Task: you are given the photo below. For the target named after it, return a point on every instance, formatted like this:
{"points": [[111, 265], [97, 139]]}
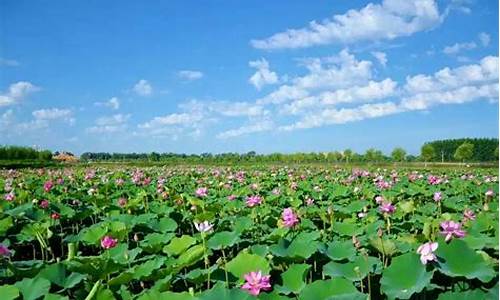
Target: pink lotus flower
{"points": [[201, 192], [437, 196], [256, 282], [253, 200], [119, 181], [489, 194], [387, 207], [204, 227], [4, 251], [426, 252], [469, 215], [451, 229], [55, 216], [231, 197], [47, 186], [309, 201], [122, 202], [44, 204], [379, 199], [289, 218], [9, 197], [433, 180], [108, 242]]}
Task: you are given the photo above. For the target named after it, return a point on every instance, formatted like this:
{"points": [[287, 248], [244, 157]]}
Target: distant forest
{"points": [[452, 150], [483, 150]]}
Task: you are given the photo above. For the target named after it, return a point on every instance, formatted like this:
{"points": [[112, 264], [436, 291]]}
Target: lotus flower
{"points": [[204, 227], [4, 251], [437, 196], [47, 186], [122, 202], [44, 204], [108, 242], [253, 200], [201, 192], [10, 197], [55, 216], [469, 215], [289, 218], [489, 194], [256, 282], [451, 229], [387, 207], [426, 252]]}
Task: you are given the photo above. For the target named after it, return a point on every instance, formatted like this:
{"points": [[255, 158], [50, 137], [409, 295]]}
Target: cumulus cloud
{"points": [[457, 47], [328, 73], [143, 88], [447, 86], [381, 57], [52, 114], [113, 103], [484, 38], [17, 92], [8, 62], [259, 126], [190, 75], [110, 124], [263, 76], [385, 21]]}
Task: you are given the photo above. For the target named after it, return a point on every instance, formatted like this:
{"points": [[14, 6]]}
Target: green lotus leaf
{"points": [[245, 263], [179, 244], [223, 239], [356, 270], [405, 276], [9, 292], [457, 259], [33, 288], [337, 288], [341, 250], [293, 279]]}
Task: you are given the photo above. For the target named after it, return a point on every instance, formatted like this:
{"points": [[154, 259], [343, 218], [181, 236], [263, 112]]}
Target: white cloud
{"points": [[8, 62], [386, 21], [171, 119], [113, 120], [258, 126], [328, 73], [484, 38], [16, 92], [110, 124], [190, 75], [263, 76], [457, 47], [381, 57], [143, 88], [344, 115], [113, 103], [447, 86], [52, 114]]}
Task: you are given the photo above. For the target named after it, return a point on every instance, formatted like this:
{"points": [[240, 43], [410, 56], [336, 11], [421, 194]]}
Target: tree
{"points": [[347, 154], [496, 153], [373, 155], [398, 154], [464, 152], [427, 152]]}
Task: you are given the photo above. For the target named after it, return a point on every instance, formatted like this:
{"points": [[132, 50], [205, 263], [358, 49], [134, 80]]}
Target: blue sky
{"points": [[236, 76]]}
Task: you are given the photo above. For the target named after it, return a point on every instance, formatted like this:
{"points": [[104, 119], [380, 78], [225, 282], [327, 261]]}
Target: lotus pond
{"points": [[248, 233]]}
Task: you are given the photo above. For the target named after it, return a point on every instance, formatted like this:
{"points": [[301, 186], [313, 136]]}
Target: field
{"points": [[302, 232]]}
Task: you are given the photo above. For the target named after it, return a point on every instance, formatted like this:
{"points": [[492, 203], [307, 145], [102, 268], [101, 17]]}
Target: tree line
{"points": [[24, 153], [452, 150], [459, 150]]}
